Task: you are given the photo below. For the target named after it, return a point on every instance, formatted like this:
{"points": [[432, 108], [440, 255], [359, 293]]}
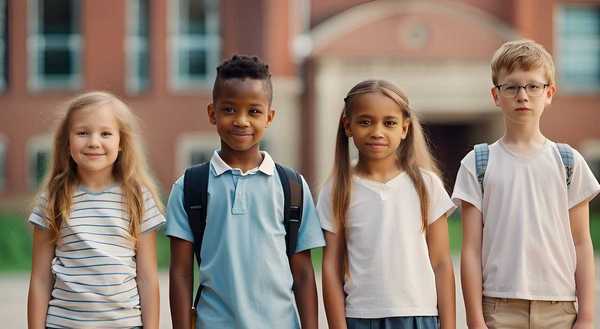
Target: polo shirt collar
{"points": [[267, 166]]}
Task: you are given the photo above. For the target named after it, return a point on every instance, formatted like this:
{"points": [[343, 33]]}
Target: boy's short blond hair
{"points": [[522, 54]]}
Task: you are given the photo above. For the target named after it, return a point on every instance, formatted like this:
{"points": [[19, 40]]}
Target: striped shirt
{"points": [[94, 265]]}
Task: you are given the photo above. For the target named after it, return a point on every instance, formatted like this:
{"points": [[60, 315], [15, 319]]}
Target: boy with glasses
{"points": [[527, 252]]}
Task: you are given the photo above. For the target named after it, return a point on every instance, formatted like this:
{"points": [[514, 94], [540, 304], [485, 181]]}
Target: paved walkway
{"points": [[13, 301]]}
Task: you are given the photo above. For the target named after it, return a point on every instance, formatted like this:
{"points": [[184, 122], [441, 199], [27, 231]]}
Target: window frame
{"points": [[37, 144], [3, 162], [180, 43], [37, 43], [3, 45], [136, 44], [566, 53], [194, 142]]}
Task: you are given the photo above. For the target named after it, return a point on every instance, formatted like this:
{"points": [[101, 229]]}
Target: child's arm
{"points": [[584, 272], [41, 282], [181, 276], [333, 280], [470, 265], [147, 279], [441, 262], [305, 289]]}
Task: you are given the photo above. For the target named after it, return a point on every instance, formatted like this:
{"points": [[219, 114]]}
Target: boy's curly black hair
{"points": [[243, 67]]}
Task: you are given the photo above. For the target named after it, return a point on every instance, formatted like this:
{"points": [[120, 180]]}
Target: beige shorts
{"points": [[502, 313]]}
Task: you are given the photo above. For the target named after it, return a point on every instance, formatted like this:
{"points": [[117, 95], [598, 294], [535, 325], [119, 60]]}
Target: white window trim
{"points": [[3, 162], [569, 86], [134, 44], [3, 47], [36, 43], [39, 143], [188, 143], [209, 42]]}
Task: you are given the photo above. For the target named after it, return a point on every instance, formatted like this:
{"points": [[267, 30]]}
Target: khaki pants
{"points": [[506, 313]]}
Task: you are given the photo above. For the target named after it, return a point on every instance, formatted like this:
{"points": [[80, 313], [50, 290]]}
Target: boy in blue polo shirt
{"points": [[244, 272]]}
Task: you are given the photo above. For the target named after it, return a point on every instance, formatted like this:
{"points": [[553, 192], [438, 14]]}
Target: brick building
{"points": [[160, 55]]}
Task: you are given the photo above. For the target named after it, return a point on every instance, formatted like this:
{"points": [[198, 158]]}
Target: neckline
{"points": [[372, 182], [534, 154], [104, 189]]}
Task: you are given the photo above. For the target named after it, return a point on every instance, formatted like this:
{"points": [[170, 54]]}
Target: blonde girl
{"points": [[386, 263], [94, 261]]}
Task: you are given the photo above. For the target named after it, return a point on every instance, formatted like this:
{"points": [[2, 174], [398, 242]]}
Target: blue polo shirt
{"points": [[245, 273]]}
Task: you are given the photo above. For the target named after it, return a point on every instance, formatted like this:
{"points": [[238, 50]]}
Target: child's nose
{"points": [[241, 120], [94, 141], [377, 131], [522, 94]]}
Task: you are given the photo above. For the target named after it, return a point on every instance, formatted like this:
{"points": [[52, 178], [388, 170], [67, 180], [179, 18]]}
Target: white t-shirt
{"points": [[94, 265], [527, 248], [390, 271]]}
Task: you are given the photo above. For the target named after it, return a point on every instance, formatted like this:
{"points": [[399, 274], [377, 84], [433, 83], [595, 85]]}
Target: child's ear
{"points": [[405, 126], [270, 116], [495, 96], [346, 121], [550, 92], [211, 114]]}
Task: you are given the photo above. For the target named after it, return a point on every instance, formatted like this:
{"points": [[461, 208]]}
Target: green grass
{"points": [[15, 242]]}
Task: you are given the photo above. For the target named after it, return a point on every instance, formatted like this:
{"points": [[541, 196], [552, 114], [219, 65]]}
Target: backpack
{"points": [[482, 156], [195, 201]]}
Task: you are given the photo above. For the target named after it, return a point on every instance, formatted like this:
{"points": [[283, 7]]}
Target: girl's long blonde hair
{"points": [[129, 170], [413, 153]]}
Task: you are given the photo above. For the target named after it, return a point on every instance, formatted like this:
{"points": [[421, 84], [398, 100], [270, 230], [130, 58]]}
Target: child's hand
{"points": [[481, 326], [583, 324]]}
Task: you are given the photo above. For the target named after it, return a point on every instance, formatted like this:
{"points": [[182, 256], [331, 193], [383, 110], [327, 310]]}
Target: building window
{"points": [[3, 44], [194, 149], [579, 48], [195, 45], [55, 44], [138, 54], [2, 164], [39, 160]]}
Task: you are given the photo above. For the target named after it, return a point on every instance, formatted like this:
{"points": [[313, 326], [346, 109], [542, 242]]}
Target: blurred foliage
{"points": [[15, 242]]}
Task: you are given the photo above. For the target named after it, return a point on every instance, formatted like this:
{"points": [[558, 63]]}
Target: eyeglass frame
{"points": [[499, 87]]}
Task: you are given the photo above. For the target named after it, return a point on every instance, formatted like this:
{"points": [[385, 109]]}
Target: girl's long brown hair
{"points": [[413, 154], [129, 170]]}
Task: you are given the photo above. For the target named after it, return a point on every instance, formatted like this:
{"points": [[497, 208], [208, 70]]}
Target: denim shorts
{"points": [[402, 322]]}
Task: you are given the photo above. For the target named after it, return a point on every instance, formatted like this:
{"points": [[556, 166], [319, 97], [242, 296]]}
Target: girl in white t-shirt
{"points": [[94, 238], [387, 262]]}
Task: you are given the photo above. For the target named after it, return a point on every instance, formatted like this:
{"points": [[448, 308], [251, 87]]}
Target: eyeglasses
{"points": [[532, 89]]}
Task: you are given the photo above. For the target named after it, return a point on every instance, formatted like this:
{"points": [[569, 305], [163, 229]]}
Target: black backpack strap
{"points": [[291, 182], [195, 200]]}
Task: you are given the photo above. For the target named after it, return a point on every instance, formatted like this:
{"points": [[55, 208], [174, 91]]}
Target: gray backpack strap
{"points": [[482, 155], [566, 155]]}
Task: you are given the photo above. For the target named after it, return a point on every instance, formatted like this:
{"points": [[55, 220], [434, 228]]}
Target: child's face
{"points": [[241, 113], [94, 141], [377, 126], [526, 106]]}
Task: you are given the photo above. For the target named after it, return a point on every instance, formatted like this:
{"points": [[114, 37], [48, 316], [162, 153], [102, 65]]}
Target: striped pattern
{"points": [[94, 265]]}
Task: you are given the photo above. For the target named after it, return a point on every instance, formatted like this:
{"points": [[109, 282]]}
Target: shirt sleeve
{"points": [[467, 187], [37, 216], [439, 201], [310, 234], [177, 220], [325, 208], [153, 217], [584, 186]]}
